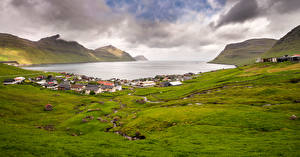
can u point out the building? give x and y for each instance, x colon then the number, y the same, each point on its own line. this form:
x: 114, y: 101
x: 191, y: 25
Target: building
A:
x: 94, y: 88
x: 78, y: 87
x: 175, y: 83
x: 148, y: 84
x: 165, y: 84
x: 65, y: 85
x: 13, y: 63
x: 9, y: 81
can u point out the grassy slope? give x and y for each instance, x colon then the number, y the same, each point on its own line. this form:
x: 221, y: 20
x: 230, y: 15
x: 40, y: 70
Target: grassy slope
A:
x: 231, y: 120
x: 49, y: 50
x: 245, y: 52
x: 288, y: 45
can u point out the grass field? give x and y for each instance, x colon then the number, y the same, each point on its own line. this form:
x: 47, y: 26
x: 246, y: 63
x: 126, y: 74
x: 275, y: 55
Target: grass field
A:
x: 235, y: 112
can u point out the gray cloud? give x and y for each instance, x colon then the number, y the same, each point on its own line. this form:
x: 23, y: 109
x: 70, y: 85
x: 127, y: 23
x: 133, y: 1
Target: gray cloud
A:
x: 240, y: 12
x: 245, y: 10
x: 94, y: 24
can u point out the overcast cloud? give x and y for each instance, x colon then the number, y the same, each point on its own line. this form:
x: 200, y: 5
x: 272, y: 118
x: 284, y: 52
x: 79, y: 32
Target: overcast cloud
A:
x: 158, y: 29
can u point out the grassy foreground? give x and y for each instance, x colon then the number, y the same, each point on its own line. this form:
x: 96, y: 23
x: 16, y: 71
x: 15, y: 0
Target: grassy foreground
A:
x: 235, y: 112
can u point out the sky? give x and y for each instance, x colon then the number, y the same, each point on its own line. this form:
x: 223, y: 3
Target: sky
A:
x: 158, y: 29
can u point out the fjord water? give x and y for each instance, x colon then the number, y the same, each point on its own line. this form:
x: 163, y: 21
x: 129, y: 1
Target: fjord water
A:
x: 131, y: 70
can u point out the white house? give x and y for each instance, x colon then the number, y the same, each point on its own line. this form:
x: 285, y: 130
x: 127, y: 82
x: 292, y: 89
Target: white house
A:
x: 176, y: 83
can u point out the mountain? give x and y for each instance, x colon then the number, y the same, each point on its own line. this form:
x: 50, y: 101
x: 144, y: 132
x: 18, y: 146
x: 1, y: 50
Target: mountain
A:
x: 244, y: 52
x: 287, y: 45
x: 112, y: 53
x: 53, y: 50
x: 140, y: 58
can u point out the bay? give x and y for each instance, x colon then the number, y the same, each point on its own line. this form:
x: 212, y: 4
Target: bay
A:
x: 131, y: 70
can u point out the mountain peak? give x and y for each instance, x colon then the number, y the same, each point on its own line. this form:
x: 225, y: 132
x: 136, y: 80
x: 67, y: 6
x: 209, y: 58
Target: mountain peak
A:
x: 54, y: 37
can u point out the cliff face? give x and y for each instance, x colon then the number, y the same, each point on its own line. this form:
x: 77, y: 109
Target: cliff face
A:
x: 244, y: 52
x: 287, y: 45
x: 54, y: 50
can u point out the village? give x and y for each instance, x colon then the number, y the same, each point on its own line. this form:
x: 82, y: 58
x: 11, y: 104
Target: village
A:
x: 91, y: 86
x: 285, y: 58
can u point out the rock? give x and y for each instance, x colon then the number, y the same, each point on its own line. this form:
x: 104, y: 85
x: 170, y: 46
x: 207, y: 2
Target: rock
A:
x: 141, y: 101
x: 90, y: 117
x: 48, y: 107
x: 293, y: 117
x: 198, y: 104
x: 84, y: 120
x: 102, y: 120
x: 91, y: 110
x: 190, y: 104
x: 267, y: 105
x: 74, y: 134
x: 137, y: 133
x: 296, y: 101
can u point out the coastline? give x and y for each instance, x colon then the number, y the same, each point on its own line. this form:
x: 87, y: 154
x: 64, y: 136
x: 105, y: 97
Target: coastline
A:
x: 33, y: 65
x: 131, y: 70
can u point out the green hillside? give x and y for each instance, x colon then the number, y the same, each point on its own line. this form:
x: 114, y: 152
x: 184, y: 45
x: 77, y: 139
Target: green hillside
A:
x: 51, y: 50
x: 287, y: 45
x: 245, y: 52
x: 235, y: 112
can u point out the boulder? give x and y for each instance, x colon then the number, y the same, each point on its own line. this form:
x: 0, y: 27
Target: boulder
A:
x: 48, y: 107
x: 293, y: 117
x: 84, y: 120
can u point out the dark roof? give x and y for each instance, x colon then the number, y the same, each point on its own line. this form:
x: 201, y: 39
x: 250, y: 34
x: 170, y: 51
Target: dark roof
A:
x: 65, y: 84
x: 107, y: 87
x: 92, y: 87
x: 9, y: 80
x: 9, y: 62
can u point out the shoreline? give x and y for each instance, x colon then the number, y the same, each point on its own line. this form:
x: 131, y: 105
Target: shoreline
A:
x: 34, y: 65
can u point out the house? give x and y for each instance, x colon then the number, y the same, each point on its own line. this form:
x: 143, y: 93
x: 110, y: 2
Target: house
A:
x: 118, y: 88
x: 19, y: 79
x: 105, y: 83
x: 176, y: 83
x: 65, y: 85
x: 13, y: 63
x: 107, y: 88
x: 50, y: 86
x: 77, y: 87
x: 165, y: 84
x: 148, y: 84
x: 94, y: 88
x: 42, y: 82
x: 9, y: 81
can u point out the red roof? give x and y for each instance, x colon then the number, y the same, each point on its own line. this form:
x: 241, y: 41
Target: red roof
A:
x: 106, y: 83
x: 297, y: 55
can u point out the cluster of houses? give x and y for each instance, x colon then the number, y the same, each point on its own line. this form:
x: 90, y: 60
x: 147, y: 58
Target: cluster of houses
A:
x: 294, y: 58
x: 158, y: 81
x: 67, y: 81
x: 90, y: 85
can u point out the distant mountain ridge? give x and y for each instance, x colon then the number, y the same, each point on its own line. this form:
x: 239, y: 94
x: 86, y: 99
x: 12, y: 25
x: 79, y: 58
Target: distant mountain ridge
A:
x: 244, y: 52
x: 287, y: 45
x: 55, y: 50
x: 140, y: 58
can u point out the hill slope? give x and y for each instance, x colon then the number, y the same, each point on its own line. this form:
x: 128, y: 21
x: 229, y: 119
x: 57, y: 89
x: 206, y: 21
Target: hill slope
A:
x: 140, y: 58
x: 52, y: 50
x: 112, y: 53
x: 287, y: 45
x: 229, y: 112
x: 245, y: 52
